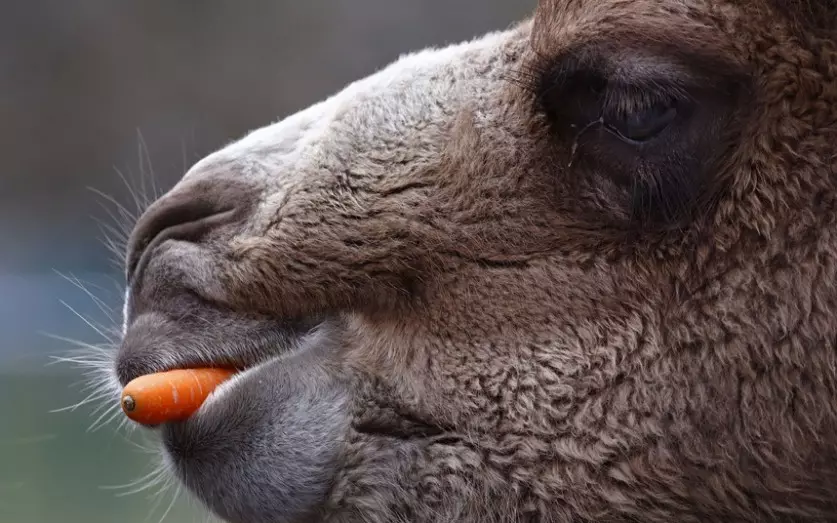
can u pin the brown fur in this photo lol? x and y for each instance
(652, 387)
(523, 350)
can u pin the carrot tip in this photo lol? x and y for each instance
(128, 404)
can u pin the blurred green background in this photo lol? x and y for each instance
(93, 88)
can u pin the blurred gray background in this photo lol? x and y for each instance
(90, 89)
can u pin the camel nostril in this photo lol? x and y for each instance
(185, 213)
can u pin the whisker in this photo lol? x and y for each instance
(144, 154)
(96, 381)
(121, 226)
(120, 230)
(94, 373)
(158, 478)
(104, 407)
(132, 191)
(167, 484)
(100, 388)
(122, 209)
(86, 283)
(115, 240)
(123, 423)
(79, 361)
(147, 449)
(173, 500)
(106, 310)
(116, 256)
(108, 411)
(94, 396)
(115, 244)
(97, 329)
(155, 472)
(85, 346)
(116, 412)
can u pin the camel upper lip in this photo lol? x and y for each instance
(159, 342)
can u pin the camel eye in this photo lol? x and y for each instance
(643, 124)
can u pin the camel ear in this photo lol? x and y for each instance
(816, 16)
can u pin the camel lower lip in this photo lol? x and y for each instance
(227, 385)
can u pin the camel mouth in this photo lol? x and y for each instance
(203, 337)
(154, 345)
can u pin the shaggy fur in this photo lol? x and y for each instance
(578, 270)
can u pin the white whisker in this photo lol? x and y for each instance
(121, 227)
(123, 423)
(97, 382)
(173, 501)
(78, 361)
(84, 360)
(97, 329)
(132, 191)
(145, 155)
(153, 474)
(126, 214)
(107, 310)
(116, 412)
(108, 410)
(94, 396)
(158, 478)
(81, 344)
(103, 406)
(118, 238)
(169, 481)
(116, 248)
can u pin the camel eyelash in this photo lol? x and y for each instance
(622, 100)
(565, 82)
(614, 99)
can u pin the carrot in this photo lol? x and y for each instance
(170, 395)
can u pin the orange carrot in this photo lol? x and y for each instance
(171, 395)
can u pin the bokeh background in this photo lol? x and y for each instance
(98, 96)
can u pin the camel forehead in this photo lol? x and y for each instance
(622, 28)
(404, 108)
(570, 17)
